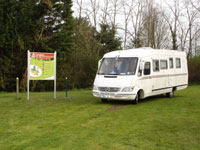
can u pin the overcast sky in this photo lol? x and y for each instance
(120, 16)
(120, 22)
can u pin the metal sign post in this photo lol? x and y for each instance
(66, 84)
(28, 73)
(17, 87)
(54, 75)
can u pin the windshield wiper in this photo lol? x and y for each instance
(114, 74)
(101, 73)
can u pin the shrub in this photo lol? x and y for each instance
(194, 69)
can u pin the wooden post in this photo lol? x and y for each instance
(17, 87)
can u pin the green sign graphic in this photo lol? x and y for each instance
(41, 66)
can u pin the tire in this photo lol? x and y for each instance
(104, 100)
(136, 100)
(170, 94)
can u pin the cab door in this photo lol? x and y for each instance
(146, 79)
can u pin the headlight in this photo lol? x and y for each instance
(95, 88)
(128, 89)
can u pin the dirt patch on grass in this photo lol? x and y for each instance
(114, 108)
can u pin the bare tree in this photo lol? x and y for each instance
(196, 42)
(79, 4)
(192, 29)
(92, 11)
(149, 20)
(105, 11)
(127, 10)
(148, 28)
(195, 4)
(172, 17)
(136, 21)
(153, 26)
(144, 23)
(161, 33)
(116, 7)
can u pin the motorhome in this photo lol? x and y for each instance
(139, 73)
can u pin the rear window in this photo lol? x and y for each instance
(155, 65)
(147, 68)
(163, 64)
(178, 63)
(171, 63)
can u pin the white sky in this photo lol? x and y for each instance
(120, 19)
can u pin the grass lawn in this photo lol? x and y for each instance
(83, 122)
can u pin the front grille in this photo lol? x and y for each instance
(109, 89)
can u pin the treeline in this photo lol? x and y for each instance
(148, 23)
(48, 26)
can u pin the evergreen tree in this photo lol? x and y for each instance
(83, 62)
(18, 24)
(108, 39)
(58, 35)
(24, 25)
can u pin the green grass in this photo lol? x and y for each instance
(83, 122)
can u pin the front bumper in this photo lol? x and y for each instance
(114, 95)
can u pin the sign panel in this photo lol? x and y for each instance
(42, 66)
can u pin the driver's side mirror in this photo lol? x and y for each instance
(141, 68)
(99, 63)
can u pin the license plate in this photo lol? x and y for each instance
(106, 95)
(102, 95)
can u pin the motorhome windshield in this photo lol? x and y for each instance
(118, 66)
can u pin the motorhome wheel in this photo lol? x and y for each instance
(170, 94)
(104, 100)
(136, 100)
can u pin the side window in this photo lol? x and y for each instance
(155, 65)
(163, 64)
(147, 68)
(178, 63)
(171, 63)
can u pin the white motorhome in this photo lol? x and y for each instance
(139, 73)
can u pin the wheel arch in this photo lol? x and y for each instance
(140, 93)
(174, 89)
